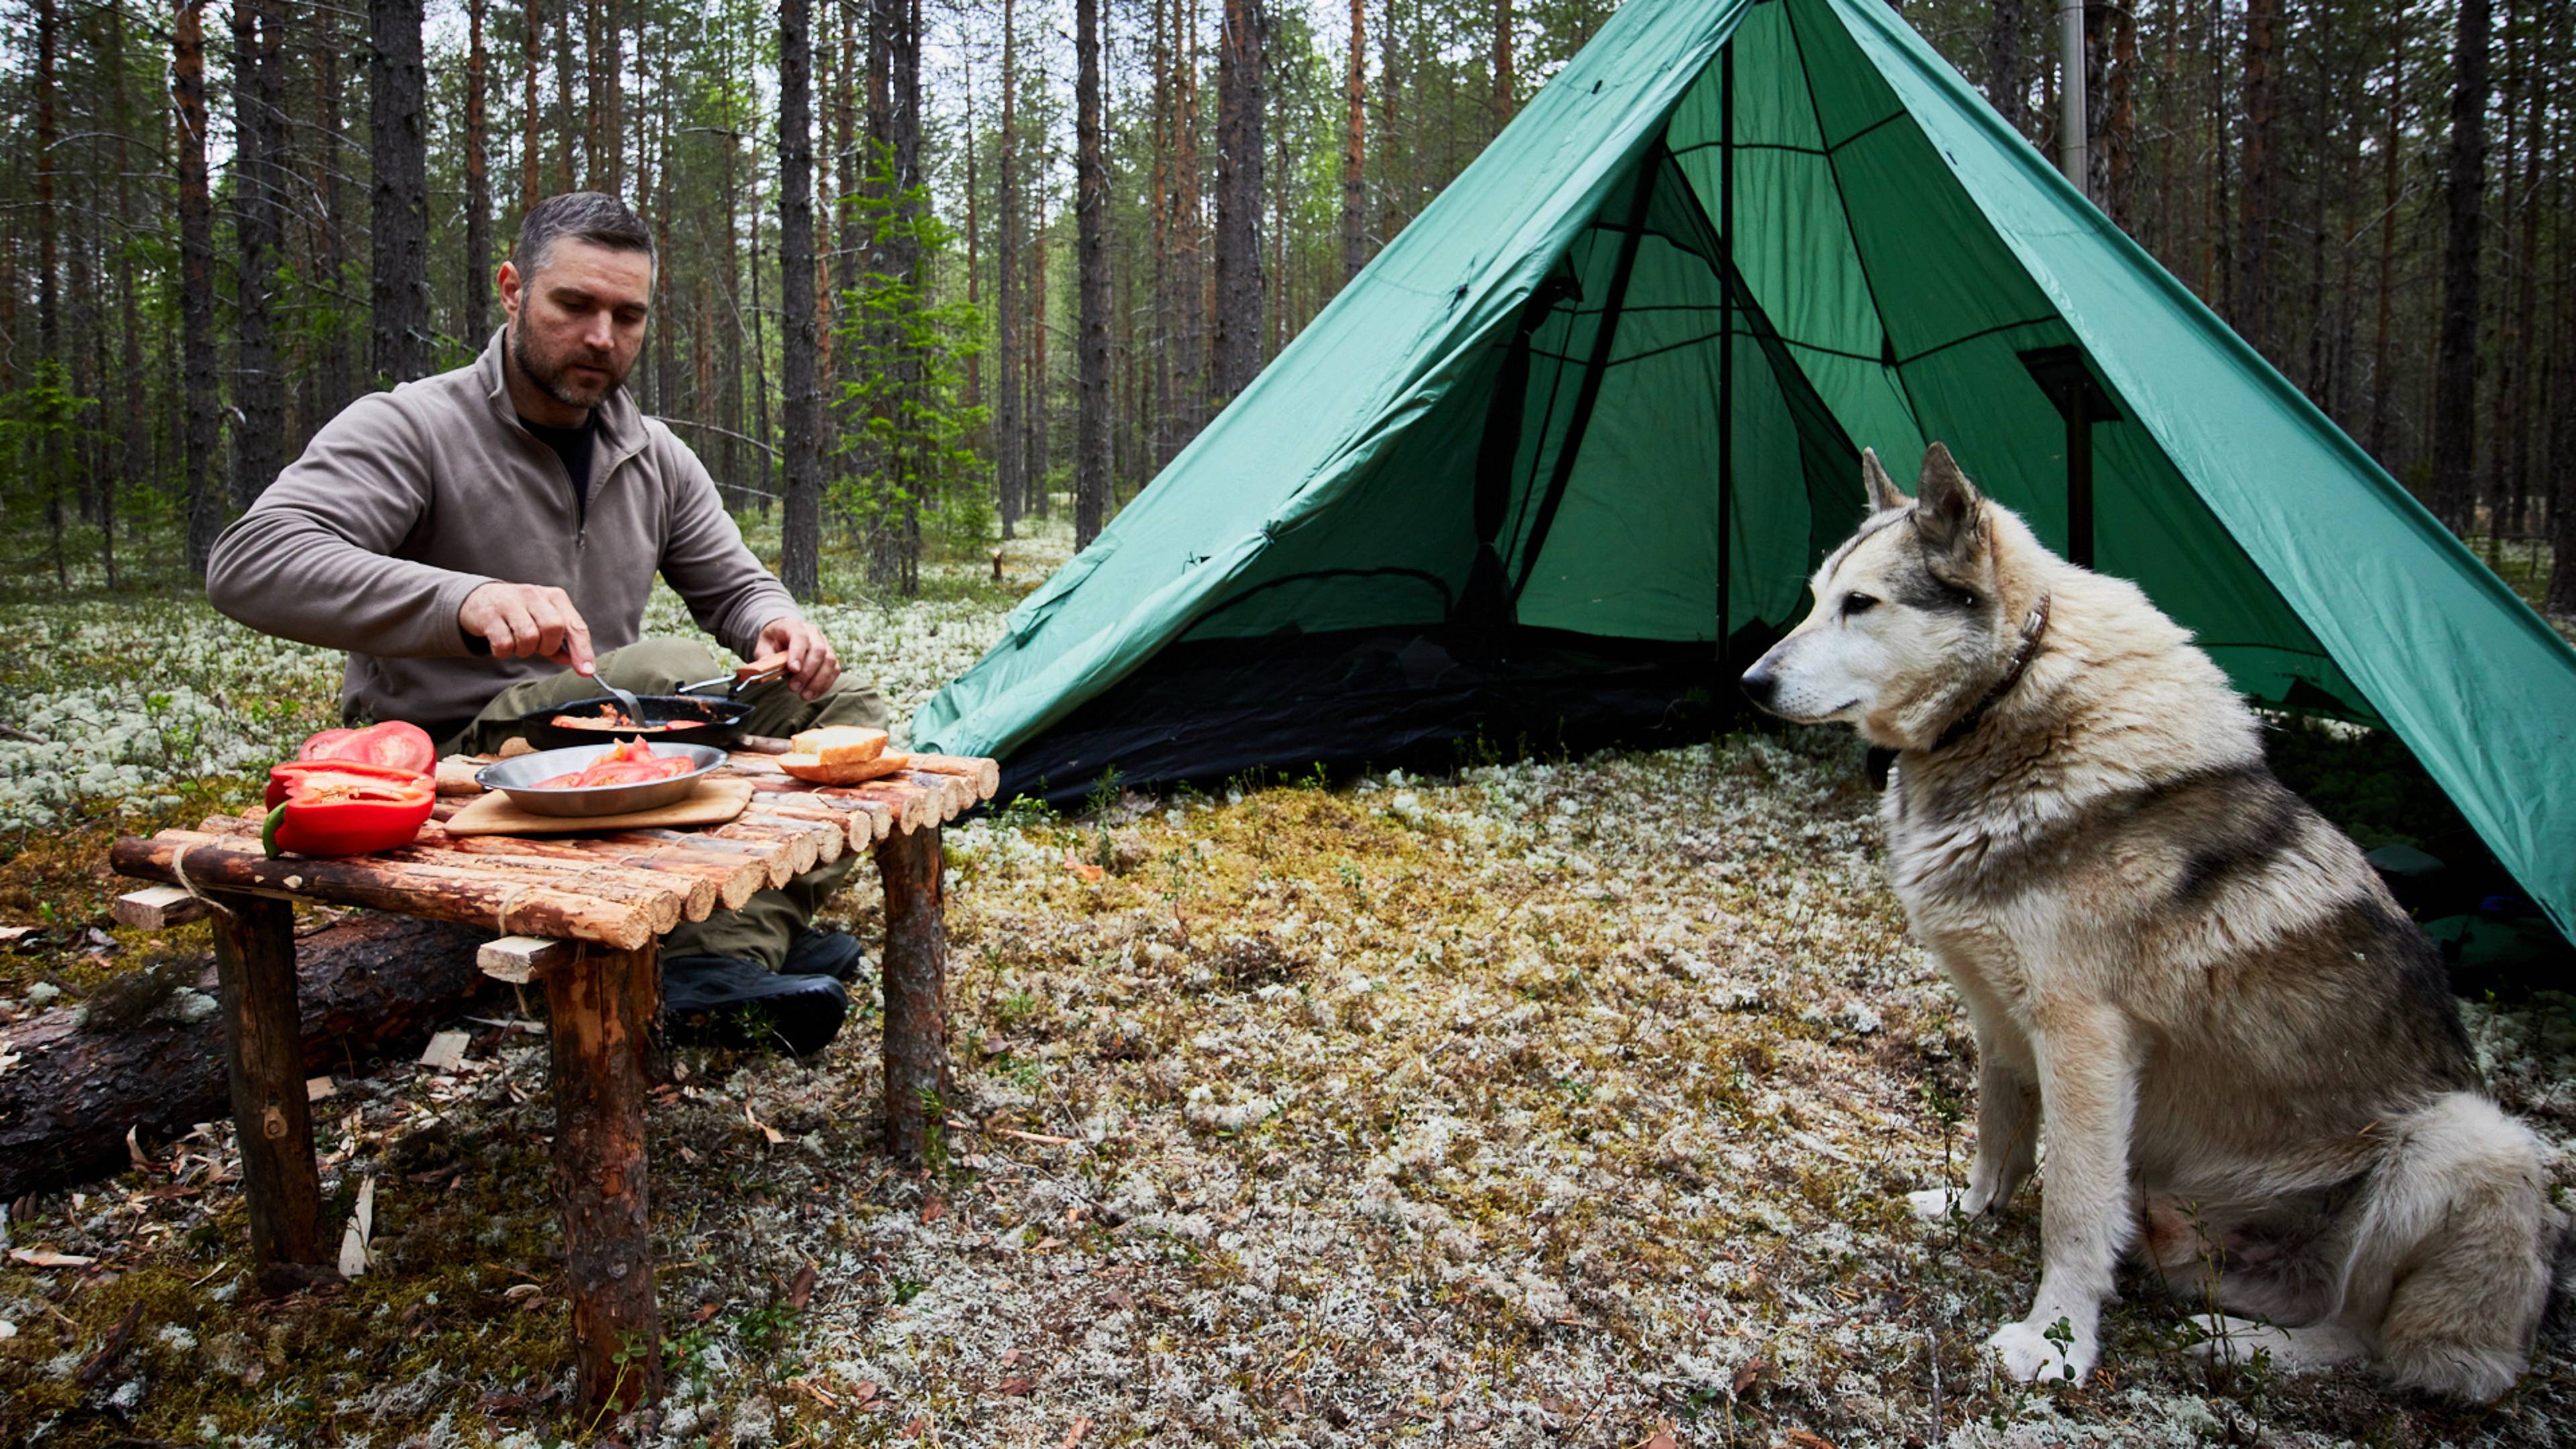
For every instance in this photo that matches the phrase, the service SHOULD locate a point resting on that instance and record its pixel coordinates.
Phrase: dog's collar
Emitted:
(2031, 629)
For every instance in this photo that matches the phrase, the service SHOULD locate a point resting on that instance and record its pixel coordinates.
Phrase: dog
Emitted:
(2247, 1058)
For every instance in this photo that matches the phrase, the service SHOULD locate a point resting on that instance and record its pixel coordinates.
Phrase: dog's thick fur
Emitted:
(2247, 1058)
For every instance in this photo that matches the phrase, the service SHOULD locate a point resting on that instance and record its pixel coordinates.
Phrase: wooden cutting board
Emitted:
(714, 802)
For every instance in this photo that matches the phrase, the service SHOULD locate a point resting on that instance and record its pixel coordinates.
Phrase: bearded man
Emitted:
(482, 544)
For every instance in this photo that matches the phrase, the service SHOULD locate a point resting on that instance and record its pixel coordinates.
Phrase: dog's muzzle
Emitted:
(1762, 683)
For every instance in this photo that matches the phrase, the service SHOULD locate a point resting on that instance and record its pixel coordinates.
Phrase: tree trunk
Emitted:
(1039, 419)
(1091, 246)
(2517, 491)
(531, 188)
(333, 378)
(802, 526)
(566, 118)
(133, 469)
(2254, 198)
(2455, 363)
(1354, 142)
(1008, 446)
(51, 363)
(2381, 384)
(373, 985)
(473, 316)
(196, 279)
(1504, 104)
(2562, 504)
(259, 135)
(397, 125)
(1239, 196)
(2004, 81)
(1189, 222)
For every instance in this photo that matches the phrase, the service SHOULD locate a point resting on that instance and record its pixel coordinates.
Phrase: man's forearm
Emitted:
(282, 571)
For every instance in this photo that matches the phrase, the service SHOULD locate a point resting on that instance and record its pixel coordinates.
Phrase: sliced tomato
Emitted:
(395, 742)
(627, 762)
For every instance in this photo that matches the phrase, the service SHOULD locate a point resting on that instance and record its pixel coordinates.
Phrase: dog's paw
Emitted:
(2043, 1353)
(2239, 1341)
(1941, 1204)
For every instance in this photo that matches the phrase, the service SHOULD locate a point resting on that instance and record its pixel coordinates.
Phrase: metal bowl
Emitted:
(518, 777)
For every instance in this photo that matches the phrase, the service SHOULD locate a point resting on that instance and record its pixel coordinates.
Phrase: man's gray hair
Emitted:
(592, 216)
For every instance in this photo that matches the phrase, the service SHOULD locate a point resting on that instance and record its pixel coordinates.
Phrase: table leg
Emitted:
(916, 991)
(264, 1061)
(600, 1014)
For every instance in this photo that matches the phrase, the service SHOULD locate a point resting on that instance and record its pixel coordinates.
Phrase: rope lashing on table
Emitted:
(179, 868)
(501, 913)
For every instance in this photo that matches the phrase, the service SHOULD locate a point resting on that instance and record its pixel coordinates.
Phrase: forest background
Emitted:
(930, 267)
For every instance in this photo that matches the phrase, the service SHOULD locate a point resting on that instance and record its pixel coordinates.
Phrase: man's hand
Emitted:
(528, 621)
(811, 664)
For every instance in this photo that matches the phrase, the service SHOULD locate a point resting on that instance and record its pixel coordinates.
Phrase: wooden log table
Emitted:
(580, 915)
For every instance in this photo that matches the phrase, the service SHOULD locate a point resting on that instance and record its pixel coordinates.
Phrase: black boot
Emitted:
(725, 1001)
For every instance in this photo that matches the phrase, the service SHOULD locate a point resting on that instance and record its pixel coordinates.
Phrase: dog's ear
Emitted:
(1882, 489)
(1952, 510)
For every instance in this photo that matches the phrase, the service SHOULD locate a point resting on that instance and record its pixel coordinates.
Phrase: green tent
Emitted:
(1561, 446)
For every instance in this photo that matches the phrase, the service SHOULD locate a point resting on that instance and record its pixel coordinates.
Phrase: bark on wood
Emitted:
(532, 50)
(664, 900)
(916, 987)
(802, 527)
(398, 128)
(373, 985)
(2455, 368)
(2004, 83)
(196, 280)
(599, 1016)
(1091, 228)
(777, 863)
(264, 1068)
(1239, 197)
(500, 904)
(259, 132)
(1355, 129)
(474, 311)
(1008, 442)
(986, 773)
(731, 880)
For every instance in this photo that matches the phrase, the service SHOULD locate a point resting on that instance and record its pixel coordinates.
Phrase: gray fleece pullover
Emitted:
(411, 499)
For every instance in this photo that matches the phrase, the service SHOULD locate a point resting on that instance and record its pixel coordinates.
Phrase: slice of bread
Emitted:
(841, 744)
(820, 770)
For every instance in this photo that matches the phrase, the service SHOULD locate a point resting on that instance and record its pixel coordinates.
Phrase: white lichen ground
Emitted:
(1550, 1104)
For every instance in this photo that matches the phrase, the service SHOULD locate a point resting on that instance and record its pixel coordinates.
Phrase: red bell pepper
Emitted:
(338, 807)
(334, 772)
(395, 742)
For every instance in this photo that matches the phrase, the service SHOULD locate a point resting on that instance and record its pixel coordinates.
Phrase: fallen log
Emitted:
(367, 987)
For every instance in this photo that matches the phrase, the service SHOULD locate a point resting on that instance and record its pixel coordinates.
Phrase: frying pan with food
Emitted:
(685, 717)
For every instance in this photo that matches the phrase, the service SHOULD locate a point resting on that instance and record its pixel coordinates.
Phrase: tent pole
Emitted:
(1605, 333)
(2079, 476)
(2071, 113)
(1725, 347)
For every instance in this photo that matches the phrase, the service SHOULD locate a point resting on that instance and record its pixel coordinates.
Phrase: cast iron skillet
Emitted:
(720, 720)
(719, 717)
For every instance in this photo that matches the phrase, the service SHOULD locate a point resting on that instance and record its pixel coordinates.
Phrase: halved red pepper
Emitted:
(338, 807)
(341, 772)
(395, 742)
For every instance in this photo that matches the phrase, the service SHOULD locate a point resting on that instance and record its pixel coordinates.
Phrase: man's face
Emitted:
(577, 321)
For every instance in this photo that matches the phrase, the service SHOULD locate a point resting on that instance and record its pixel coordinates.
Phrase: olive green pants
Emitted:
(761, 930)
